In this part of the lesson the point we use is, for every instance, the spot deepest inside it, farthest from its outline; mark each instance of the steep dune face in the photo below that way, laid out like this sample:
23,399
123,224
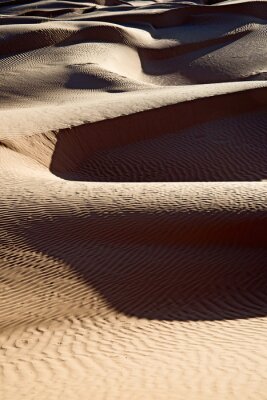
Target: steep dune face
133,207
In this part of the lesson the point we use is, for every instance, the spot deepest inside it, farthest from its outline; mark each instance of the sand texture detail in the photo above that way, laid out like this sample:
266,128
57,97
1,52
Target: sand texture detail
133,206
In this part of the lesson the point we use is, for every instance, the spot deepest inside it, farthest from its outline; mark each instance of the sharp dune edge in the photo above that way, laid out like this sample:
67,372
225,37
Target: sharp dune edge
133,207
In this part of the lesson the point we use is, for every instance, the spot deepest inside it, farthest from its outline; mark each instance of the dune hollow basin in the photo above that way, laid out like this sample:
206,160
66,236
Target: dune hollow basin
133,206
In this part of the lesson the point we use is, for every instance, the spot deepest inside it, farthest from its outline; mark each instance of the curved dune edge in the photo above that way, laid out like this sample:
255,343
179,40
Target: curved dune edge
180,277
133,207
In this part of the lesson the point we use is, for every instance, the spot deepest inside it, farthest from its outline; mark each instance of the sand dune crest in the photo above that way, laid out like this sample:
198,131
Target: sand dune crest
133,207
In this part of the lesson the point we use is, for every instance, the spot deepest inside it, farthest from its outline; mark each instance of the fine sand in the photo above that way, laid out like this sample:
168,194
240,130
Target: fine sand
133,206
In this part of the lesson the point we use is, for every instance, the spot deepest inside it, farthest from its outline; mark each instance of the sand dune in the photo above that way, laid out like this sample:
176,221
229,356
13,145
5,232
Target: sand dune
133,207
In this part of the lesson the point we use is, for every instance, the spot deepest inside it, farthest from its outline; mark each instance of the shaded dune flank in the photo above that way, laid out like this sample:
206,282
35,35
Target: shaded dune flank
133,207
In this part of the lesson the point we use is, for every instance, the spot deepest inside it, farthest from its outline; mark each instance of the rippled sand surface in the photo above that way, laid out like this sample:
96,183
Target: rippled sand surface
133,206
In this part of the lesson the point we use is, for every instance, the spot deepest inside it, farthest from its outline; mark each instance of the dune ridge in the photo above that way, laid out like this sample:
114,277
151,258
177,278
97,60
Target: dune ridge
133,207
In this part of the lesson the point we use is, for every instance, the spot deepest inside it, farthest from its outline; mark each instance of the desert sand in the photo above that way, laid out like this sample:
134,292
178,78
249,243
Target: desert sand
133,206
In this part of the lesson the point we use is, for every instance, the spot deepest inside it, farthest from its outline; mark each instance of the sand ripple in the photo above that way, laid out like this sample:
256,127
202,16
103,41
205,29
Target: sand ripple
133,207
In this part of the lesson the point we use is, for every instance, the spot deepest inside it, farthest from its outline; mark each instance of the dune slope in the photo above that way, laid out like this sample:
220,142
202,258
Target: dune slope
133,207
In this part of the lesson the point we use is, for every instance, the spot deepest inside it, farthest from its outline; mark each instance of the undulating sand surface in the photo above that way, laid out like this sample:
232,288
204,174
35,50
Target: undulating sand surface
133,206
